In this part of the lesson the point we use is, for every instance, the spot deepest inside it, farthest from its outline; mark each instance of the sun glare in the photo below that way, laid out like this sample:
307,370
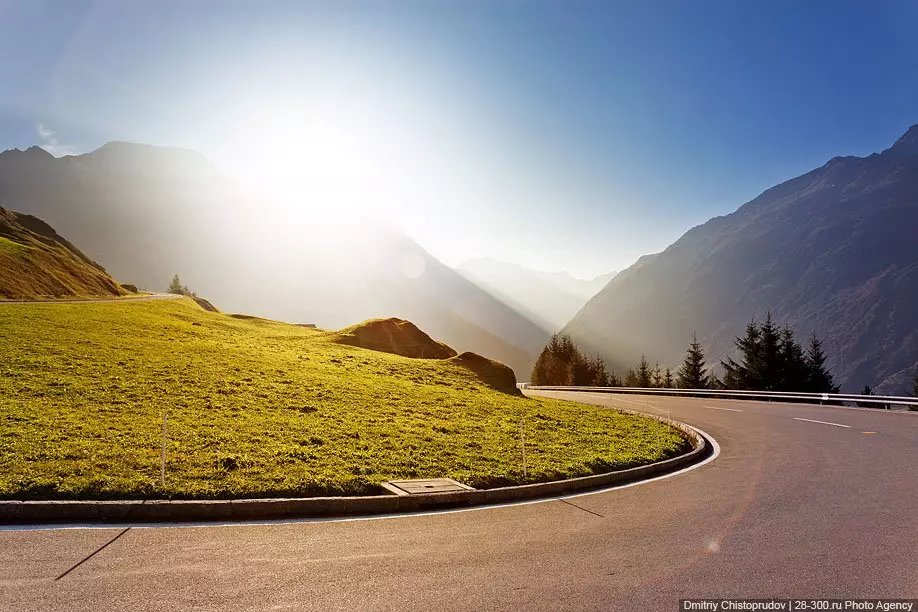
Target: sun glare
319,166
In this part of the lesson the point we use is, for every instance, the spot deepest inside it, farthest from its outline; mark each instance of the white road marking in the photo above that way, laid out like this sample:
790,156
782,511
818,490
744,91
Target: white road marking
718,408
821,422
644,404
715,447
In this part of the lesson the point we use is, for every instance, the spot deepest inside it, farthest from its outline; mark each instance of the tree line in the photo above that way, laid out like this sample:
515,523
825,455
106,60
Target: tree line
176,287
770,358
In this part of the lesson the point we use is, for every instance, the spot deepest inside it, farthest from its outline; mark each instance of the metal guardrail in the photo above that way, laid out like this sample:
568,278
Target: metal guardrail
834,398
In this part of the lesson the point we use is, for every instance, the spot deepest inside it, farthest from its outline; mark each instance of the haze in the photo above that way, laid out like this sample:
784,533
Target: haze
563,137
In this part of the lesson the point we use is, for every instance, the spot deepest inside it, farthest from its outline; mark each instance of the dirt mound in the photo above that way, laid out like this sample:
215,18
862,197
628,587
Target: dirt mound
394,336
205,304
492,373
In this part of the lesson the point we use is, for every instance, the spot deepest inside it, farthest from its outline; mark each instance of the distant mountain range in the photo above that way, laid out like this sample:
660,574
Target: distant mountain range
550,298
834,251
147,213
36,262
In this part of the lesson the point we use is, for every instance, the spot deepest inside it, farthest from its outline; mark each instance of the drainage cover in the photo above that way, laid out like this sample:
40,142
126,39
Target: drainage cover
430,485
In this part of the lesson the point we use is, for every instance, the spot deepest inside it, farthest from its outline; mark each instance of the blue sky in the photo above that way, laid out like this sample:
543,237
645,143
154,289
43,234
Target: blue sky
559,135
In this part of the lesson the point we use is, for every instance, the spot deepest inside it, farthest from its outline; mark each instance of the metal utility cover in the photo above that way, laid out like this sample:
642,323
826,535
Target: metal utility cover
429,485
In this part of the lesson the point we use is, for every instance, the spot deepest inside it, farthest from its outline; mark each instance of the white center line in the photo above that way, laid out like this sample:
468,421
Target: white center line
644,404
821,422
718,408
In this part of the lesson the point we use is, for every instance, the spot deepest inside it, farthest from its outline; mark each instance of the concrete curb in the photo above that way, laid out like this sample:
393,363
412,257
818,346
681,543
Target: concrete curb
31,512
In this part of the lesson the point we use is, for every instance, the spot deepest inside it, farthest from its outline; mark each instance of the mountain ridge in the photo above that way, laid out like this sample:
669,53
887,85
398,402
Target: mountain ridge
149,212
831,251
551,298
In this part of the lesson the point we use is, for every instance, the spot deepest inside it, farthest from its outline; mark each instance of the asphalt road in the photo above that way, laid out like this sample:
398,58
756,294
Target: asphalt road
790,508
141,298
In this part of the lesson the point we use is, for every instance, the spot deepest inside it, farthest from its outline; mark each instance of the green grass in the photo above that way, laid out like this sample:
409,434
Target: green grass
260,408
13,248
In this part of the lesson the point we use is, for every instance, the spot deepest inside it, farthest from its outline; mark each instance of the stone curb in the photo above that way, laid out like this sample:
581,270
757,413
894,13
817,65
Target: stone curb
26,512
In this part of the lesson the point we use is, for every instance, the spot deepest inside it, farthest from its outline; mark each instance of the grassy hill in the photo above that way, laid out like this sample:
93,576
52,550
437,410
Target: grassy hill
147,212
35,262
261,408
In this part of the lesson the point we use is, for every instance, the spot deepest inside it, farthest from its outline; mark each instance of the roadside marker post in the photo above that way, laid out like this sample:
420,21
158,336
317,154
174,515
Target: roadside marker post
523,443
162,462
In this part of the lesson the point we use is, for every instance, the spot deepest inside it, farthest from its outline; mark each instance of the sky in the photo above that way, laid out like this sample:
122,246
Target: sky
571,136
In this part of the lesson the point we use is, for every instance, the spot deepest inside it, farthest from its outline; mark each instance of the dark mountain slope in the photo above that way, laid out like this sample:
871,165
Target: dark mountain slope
36,262
833,251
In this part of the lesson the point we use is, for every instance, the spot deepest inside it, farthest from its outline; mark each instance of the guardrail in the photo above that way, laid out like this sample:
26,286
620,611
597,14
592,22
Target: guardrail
832,398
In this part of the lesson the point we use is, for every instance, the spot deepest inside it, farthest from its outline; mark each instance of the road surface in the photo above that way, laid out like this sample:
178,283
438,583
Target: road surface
140,298
803,501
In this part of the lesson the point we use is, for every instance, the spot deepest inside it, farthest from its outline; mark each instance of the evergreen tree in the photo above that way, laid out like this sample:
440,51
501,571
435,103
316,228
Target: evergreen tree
915,383
643,373
562,364
656,376
867,391
552,366
668,382
794,369
691,374
578,370
540,371
631,378
820,379
177,287
745,375
770,363
599,376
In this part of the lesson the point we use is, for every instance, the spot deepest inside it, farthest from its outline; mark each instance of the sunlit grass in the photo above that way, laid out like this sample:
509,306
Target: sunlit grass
259,408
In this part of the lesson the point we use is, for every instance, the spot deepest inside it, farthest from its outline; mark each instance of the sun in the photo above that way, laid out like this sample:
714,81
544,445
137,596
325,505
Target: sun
317,165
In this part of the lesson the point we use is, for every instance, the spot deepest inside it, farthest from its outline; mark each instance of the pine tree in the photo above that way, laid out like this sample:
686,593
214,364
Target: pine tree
540,371
631,378
770,359
867,391
562,364
794,369
668,382
745,375
177,287
552,366
691,374
915,383
656,376
820,379
643,373
599,377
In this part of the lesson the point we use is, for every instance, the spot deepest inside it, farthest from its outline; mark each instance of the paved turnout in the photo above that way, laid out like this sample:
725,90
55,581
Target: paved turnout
803,501
147,297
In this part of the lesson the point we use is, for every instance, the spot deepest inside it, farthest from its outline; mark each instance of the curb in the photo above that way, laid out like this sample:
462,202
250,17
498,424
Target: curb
31,512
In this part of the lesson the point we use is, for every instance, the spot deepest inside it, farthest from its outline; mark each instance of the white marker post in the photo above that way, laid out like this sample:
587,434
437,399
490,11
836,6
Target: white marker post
523,442
162,463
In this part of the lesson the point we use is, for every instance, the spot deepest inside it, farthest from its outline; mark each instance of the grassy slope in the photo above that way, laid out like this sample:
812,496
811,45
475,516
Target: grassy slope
263,408
35,262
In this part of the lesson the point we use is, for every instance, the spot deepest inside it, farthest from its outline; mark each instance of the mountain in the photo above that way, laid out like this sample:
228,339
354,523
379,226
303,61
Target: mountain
551,298
834,251
150,212
36,262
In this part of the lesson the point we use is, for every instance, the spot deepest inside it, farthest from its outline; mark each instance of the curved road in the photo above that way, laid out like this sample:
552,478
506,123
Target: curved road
149,297
796,505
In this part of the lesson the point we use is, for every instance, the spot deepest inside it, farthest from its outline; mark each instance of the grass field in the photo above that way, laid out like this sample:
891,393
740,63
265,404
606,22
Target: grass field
258,408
